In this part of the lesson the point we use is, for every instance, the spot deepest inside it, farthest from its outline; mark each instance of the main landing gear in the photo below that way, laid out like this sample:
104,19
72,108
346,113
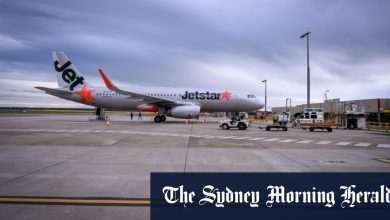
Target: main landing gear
160,118
99,114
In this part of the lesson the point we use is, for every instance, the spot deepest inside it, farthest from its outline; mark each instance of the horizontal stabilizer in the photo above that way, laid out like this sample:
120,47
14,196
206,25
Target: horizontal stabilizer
55,92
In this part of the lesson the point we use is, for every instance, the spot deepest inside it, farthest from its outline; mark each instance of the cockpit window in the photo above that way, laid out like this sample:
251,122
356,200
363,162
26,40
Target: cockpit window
251,96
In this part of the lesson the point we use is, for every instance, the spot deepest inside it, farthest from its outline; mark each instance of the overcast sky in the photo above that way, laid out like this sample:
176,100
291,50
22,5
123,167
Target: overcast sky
215,43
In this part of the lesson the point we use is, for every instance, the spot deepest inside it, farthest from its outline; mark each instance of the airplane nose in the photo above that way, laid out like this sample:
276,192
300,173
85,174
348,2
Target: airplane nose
259,103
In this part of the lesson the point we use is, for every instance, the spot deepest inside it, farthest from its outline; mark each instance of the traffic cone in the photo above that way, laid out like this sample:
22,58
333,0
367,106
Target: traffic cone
108,123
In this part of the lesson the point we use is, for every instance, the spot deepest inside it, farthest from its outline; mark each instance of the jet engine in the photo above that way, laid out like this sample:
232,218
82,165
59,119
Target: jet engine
185,111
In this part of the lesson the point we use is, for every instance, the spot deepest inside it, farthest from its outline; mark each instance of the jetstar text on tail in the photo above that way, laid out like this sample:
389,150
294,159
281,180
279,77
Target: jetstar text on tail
69,75
206,95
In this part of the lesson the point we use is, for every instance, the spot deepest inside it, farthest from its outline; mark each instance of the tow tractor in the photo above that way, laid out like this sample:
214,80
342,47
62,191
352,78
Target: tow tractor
313,119
235,122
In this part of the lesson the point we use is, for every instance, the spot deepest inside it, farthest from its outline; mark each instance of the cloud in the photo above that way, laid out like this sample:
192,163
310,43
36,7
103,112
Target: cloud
214,43
9,43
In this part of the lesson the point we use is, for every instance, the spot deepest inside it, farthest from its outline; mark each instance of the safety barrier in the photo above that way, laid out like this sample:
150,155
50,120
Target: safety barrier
378,125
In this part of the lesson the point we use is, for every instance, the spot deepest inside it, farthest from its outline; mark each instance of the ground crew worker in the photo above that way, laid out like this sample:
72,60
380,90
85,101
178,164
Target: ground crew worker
131,115
140,116
275,118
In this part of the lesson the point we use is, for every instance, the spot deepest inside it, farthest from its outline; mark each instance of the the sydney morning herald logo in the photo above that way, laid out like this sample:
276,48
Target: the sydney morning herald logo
277,195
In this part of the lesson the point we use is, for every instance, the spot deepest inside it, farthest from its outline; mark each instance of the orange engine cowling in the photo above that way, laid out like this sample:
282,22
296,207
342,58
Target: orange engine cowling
147,108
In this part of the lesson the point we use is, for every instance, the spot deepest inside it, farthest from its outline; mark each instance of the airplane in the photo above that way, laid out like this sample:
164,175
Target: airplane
185,103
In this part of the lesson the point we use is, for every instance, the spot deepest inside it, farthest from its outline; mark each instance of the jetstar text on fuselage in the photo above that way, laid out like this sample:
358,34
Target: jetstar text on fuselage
205,95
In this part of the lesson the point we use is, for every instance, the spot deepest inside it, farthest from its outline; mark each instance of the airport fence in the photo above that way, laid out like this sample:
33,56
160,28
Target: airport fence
378,125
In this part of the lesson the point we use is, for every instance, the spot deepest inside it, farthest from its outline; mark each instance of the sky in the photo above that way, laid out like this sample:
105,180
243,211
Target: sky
223,44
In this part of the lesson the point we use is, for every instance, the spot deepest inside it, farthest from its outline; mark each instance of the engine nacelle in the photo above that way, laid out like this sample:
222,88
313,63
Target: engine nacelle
185,111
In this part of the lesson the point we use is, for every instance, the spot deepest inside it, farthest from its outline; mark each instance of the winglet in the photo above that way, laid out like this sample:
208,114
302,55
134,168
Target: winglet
107,81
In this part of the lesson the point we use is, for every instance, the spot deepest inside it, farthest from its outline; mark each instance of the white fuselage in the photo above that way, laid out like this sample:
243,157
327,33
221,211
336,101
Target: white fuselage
209,100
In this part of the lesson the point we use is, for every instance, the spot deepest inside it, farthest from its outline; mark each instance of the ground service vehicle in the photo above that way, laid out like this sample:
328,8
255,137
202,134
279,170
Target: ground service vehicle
312,119
241,124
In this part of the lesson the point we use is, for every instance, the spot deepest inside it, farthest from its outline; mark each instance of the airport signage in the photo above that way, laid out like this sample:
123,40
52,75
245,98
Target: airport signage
269,195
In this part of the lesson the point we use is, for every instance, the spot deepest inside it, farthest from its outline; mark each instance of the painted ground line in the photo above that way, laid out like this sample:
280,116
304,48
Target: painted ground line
31,130
287,140
362,144
227,137
343,143
304,142
240,138
128,132
256,139
208,136
384,145
183,135
176,135
196,136
324,142
75,201
272,139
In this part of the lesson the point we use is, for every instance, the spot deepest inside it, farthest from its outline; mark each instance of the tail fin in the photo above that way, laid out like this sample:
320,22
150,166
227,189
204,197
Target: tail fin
67,74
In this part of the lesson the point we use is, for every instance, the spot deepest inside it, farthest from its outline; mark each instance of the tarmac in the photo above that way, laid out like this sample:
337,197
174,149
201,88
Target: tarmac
63,166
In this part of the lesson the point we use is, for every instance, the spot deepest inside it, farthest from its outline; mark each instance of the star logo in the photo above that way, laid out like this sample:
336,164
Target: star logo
85,94
226,95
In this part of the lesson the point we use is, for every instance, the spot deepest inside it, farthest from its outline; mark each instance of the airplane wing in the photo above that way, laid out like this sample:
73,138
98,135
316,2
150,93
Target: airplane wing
148,99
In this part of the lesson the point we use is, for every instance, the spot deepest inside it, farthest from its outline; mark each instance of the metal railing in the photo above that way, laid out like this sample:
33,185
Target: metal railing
378,125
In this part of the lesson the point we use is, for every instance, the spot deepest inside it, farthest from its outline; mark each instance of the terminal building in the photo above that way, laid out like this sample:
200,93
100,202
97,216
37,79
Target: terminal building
351,114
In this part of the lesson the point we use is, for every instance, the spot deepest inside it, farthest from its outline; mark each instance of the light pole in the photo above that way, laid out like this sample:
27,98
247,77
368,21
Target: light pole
265,96
325,95
286,103
289,108
308,68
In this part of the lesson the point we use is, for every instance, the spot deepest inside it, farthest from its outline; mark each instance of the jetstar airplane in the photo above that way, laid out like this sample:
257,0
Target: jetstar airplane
173,102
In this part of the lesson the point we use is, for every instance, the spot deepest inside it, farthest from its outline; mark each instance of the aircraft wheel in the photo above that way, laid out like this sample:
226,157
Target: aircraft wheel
157,119
163,118
267,128
311,129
